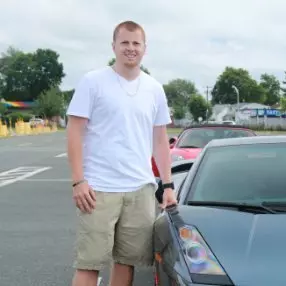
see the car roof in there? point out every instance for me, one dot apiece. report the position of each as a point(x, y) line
point(247, 140)
point(210, 125)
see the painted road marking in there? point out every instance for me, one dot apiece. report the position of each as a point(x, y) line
point(47, 180)
point(20, 173)
point(99, 281)
point(24, 144)
point(61, 155)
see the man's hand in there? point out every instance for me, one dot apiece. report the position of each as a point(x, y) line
point(169, 198)
point(84, 197)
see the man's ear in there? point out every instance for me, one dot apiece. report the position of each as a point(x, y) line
point(145, 49)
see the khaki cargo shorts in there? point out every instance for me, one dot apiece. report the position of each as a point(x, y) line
point(119, 230)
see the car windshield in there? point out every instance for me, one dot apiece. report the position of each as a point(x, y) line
point(242, 174)
point(199, 137)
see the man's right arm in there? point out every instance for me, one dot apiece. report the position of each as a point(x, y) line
point(83, 195)
point(79, 113)
point(75, 129)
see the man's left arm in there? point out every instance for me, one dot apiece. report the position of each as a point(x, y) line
point(161, 153)
point(161, 148)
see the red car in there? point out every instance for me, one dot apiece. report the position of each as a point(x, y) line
point(192, 140)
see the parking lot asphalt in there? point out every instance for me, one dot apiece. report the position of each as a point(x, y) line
point(37, 225)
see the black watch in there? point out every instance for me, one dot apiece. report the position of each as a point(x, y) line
point(168, 186)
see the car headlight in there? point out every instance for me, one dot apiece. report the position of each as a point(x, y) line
point(203, 265)
point(176, 157)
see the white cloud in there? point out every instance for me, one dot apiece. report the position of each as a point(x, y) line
point(192, 39)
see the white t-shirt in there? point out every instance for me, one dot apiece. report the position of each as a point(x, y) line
point(118, 141)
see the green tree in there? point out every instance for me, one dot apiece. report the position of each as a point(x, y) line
point(179, 92)
point(144, 69)
point(283, 103)
point(272, 88)
point(67, 95)
point(249, 90)
point(24, 76)
point(199, 107)
point(179, 111)
point(50, 103)
point(283, 88)
point(3, 109)
point(7, 58)
point(111, 62)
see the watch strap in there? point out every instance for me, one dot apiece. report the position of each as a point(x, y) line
point(168, 186)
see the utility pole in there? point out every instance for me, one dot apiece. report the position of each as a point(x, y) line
point(237, 98)
point(208, 93)
point(208, 87)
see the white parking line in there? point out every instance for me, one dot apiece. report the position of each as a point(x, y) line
point(99, 281)
point(47, 180)
point(20, 173)
point(61, 155)
point(24, 144)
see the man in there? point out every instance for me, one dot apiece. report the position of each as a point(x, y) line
point(117, 118)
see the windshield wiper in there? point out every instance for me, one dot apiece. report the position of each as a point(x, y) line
point(277, 206)
point(239, 206)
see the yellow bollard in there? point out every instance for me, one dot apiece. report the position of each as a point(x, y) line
point(54, 127)
point(47, 129)
point(27, 128)
point(21, 127)
point(3, 131)
point(18, 128)
point(39, 129)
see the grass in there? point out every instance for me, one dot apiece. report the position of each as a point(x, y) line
point(271, 132)
point(177, 130)
point(174, 130)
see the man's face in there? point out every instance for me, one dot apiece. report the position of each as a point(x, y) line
point(129, 47)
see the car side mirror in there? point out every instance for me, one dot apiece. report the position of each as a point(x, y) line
point(172, 141)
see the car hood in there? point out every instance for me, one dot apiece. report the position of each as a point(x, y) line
point(187, 153)
point(250, 247)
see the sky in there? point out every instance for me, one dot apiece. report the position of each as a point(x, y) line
point(188, 39)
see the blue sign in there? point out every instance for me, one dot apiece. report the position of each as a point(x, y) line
point(267, 113)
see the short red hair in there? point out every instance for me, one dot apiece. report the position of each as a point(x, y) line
point(129, 26)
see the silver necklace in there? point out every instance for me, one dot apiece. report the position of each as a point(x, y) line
point(128, 93)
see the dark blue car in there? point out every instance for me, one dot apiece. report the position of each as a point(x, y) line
point(229, 227)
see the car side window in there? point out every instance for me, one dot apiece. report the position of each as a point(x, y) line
point(180, 188)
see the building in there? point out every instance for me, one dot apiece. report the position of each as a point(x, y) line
point(223, 112)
